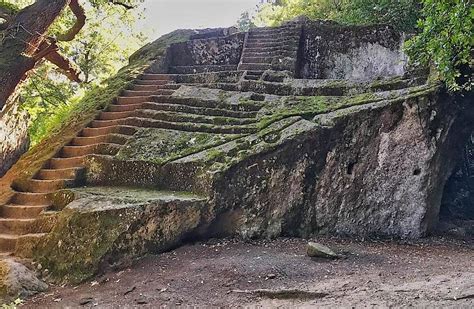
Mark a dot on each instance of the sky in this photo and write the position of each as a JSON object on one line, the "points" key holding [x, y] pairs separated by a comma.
{"points": [[163, 16]]}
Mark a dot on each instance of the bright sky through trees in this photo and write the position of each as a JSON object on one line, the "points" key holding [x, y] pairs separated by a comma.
{"points": [[163, 16]]}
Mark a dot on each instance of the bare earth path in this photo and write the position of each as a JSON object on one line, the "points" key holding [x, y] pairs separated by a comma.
{"points": [[432, 272]]}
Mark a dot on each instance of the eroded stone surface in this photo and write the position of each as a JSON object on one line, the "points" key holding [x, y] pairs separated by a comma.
{"points": [[17, 281]]}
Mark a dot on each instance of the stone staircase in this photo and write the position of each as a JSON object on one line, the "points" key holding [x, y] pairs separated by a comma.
{"points": [[148, 104], [270, 48]]}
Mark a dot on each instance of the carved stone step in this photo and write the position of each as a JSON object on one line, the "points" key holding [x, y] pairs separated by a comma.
{"points": [[65, 173], [193, 127], [114, 115], [165, 77], [78, 151], [192, 118], [268, 60], [33, 199], [132, 100], [152, 81], [45, 186], [61, 163], [112, 138], [255, 66], [123, 108], [202, 69], [21, 211], [135, 93], [198, 110], [122, 129], [15, 226]]}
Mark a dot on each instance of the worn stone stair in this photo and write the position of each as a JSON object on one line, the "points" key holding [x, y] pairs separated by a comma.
{"points": [[148, 103], [201, 69], [265, 47]]}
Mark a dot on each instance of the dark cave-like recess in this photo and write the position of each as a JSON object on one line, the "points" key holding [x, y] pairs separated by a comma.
{"points": [[458, 197]]}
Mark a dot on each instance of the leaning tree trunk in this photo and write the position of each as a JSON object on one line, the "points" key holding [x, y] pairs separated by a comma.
{"points": [[23, 44], [19, 49]]}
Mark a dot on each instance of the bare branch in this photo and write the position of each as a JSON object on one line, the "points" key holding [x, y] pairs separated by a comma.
{"points": [[80, 14], [123, 4]]}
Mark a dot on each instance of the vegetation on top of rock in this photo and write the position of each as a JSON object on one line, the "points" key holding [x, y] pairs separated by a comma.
{"points": [[444, 28], [446, 41]]}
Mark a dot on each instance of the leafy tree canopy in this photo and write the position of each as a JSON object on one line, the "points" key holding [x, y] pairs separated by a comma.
{"points": [[99, 50], [443, 28]]}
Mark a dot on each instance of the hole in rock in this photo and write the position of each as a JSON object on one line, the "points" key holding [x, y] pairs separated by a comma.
{"points": [[417, 172], [350, 168]]}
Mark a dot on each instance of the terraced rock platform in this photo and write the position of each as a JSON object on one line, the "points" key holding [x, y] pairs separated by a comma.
{"points": [[219, 148]]}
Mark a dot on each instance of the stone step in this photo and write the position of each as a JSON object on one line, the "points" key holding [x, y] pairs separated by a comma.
{"points": [[79, 151], [252, 77], [255, 66], [269, 54], [62, 163], [132, 100], [152, 82], [273, 49], [275, 35], [112, 138], [194, 102], [273, 30], [124, 108], [16, 226], [106, 123], [135, 93], [247, 59], [192, 118], [193, 127], [202, 69], [252, 72], [264, 46], [8, 242], [198, 110], [152, 87], [21, 211], [122, 129], [65, 173], [149, 76], [114, 115], [31, 199], [44, 186]]}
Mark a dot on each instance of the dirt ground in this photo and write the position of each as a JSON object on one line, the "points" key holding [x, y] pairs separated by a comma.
{"points": [[228, 272]]}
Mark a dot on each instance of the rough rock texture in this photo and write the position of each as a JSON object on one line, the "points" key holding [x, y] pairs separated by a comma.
{"points": [[262, 157], [16, 280], [458, 198], [375, 169], [211, 51], [110, 227], [333, 52], [14, 140]]}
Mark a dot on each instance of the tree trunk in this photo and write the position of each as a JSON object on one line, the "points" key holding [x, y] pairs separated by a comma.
{"points": [[21, 41], [19, 50]]}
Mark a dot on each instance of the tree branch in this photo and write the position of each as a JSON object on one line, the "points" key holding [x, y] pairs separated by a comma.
{"points": [[80, 14], [123, 4]]}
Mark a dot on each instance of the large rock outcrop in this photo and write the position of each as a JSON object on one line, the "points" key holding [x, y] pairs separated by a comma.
{"points": [[253, 151]]}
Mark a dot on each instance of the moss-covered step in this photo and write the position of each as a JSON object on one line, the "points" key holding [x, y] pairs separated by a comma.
{"points": [[108, 227]]}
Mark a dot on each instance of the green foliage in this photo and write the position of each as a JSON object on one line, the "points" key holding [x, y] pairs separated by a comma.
{"points": [[245, 23], [99, 50], [401, 14], [446, 41], [13, 305]]}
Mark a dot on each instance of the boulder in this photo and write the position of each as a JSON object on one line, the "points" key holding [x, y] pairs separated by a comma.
{"points": [[320, 251], [17, 281]]}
